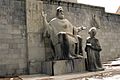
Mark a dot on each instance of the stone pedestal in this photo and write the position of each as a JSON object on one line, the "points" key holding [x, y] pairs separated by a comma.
{"points": [[63, 66]]}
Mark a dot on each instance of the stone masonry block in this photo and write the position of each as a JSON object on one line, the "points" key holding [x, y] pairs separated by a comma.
{"points": [[35, 67], [63, 66], [36, 53], [4, 46], [47, 67], [4, 52]]}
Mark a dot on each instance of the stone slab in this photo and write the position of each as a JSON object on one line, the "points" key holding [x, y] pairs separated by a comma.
{"points": [[35, 67], [59, 67]]}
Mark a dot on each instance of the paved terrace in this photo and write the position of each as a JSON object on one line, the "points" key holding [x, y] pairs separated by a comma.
{"points": [[74, 76]]}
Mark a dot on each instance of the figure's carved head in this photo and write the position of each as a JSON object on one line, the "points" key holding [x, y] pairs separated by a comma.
{"points": [[92, 31], [60, 12]]}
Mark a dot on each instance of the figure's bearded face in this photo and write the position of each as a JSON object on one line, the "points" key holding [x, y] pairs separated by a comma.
{"points": [[60, 14]]}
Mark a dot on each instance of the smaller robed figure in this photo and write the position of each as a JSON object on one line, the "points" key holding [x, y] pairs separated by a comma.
{"points": [[93, 48]]}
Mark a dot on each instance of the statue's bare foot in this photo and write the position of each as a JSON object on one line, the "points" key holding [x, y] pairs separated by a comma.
{"points": [[80, 56], [72, 57]]}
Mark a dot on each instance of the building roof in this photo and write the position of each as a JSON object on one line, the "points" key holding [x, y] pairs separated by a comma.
{"points": [[118, 11]]}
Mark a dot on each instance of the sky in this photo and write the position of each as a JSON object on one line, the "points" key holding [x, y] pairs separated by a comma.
{"points": [[111, 6]]}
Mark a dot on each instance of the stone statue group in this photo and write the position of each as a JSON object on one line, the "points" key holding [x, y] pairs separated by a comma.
{"points": [[67, 44]]}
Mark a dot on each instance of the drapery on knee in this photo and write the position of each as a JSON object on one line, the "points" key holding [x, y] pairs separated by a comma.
{"points": [[63, 40], [80, 44]]}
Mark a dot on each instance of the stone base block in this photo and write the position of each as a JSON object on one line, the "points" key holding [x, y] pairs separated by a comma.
{"points": [[35, 67], [63, 66]]}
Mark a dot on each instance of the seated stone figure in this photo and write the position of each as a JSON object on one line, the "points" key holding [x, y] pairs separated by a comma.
{"points": [[66, 43]]}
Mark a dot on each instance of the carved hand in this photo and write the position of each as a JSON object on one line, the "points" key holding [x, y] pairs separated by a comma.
{"points": [[43, 15], [89, 44], [83, 28]]}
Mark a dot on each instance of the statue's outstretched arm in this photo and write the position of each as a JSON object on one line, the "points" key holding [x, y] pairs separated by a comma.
{"points": [[81, 28], [45, 22], [78, 29]]}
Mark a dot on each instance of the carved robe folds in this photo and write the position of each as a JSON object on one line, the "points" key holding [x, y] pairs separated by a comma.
{"points": [[65, 43]]}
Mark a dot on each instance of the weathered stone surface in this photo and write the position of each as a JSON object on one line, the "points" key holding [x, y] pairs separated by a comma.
{"points": [[63, 66], [35, 67], [12, 28], [36, 50]]}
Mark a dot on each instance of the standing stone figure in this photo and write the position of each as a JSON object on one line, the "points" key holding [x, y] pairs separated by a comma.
{"points": [[66, 43], [93, 49]]}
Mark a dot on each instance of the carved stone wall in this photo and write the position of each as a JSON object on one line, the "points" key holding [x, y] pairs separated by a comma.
{"points": [[12, 37], [36, 50]]}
